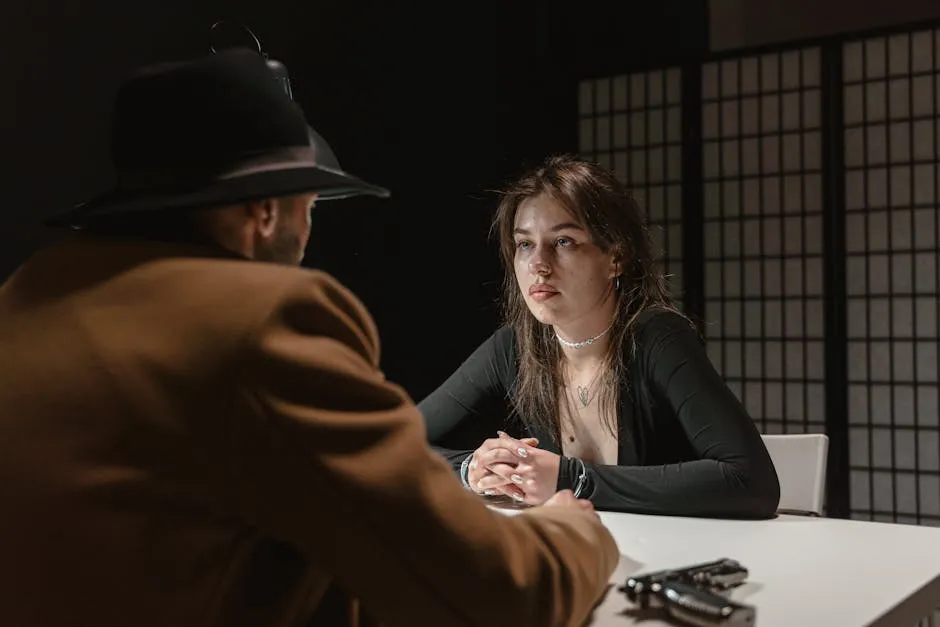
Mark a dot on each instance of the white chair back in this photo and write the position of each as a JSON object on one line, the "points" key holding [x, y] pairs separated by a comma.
{"points": [[800, 460]]}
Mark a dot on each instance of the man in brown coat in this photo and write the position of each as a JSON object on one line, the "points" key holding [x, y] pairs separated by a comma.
{"points": [[192, 437]]}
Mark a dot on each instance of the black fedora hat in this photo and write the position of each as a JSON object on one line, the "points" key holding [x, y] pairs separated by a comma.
{"points": [[210, 132]]}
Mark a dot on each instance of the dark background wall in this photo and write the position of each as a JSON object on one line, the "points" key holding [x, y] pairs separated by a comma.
{"points": [[738, 24], [440, 104]]}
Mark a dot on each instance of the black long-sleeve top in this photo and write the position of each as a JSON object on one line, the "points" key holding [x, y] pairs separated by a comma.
{"points": [[686, 445]]}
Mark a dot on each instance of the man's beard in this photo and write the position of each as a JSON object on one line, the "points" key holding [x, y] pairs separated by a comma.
{"points": [[286, 247]]}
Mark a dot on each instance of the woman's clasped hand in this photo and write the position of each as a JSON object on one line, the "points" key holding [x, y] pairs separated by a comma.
{"points": [[514, 467]]}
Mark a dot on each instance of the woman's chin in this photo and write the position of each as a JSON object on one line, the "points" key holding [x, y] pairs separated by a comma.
{"points": [[543, 314]]}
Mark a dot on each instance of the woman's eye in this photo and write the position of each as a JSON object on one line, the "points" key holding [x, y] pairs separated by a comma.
{"points": [[564, 241], [522, 245]]}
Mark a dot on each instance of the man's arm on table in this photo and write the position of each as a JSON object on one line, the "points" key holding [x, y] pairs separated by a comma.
{"points": [[335, 461]]}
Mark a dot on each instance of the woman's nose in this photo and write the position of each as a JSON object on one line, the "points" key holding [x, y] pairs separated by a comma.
{"points": [[539, 265]]}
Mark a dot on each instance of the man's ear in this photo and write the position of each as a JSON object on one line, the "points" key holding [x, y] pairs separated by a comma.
{"points": [[264, 214]]}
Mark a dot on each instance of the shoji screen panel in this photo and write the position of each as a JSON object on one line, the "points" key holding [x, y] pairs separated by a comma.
{"points": [[633, 124], [891, 104], [763, 234]]}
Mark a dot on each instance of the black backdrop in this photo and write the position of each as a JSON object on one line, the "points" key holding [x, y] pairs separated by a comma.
{"points": [[439, 103]]}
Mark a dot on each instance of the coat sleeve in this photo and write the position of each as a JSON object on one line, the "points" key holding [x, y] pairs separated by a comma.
{"points": [[334, 460]]}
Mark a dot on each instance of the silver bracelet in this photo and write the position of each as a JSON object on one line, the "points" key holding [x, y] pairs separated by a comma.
{"points": [[464, 471], [582, 478]]}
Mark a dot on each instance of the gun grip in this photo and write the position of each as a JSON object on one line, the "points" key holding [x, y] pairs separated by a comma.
{"points": [[697, 606]]}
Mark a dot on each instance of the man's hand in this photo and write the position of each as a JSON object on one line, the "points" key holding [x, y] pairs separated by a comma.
{"points": [[566, 498]]}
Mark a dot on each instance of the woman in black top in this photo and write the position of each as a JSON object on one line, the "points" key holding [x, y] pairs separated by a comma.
{"points": [[604, 384]]}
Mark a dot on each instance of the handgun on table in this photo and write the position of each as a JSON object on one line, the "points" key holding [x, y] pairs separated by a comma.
{"points": [[691, 594]]}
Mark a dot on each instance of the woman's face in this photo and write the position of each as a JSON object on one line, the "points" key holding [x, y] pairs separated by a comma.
{"points": [[565, 279]]}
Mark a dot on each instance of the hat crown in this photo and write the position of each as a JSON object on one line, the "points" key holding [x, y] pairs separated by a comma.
{"points": [[218, 130], [204, 112]]}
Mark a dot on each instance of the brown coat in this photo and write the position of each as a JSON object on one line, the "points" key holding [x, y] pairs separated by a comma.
{"points": [[193, 439]]}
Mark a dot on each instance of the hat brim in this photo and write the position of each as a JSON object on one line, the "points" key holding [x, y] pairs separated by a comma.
{"points": [[329, 184]]}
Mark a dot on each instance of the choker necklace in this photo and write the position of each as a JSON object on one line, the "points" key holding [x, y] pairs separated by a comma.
{"points": [[586, 342]]}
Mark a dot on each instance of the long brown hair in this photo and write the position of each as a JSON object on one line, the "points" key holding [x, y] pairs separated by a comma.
{"points": [[616, 224]]}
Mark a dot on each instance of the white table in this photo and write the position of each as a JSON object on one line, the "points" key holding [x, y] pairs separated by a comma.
{"points": [[804, 572]]}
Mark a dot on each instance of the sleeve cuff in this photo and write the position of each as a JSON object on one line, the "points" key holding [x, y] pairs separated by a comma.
{"points": [[567, 474]]}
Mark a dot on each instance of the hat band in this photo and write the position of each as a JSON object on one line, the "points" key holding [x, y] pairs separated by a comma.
{"points": [[192, 175]]}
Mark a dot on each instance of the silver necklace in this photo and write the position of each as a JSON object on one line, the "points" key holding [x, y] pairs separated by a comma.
{"points": [[585, 393], [583, 343]]}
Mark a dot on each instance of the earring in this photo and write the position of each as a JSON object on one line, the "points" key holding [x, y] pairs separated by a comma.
{"points": [[617, 283]]}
